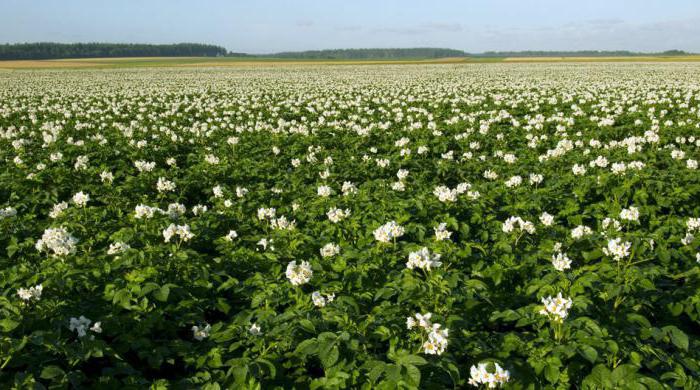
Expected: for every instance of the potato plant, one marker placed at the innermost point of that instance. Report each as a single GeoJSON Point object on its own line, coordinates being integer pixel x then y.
{"type": "Point", "coordinates": [373, 227]}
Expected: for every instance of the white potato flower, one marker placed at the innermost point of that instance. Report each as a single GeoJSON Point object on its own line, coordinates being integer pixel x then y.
{"type": "Point", "coordinates": [479, 375]}
{"type": "Point", "coordinates": [106, 177]}
{"type": "Point", "coordinates": [117, 247]}
{"type": "Point", "coordinates": [546, 219]}
{"type": "Point", "coordinates": [630, 214]}
{"type": "Point", "coordinates": [200, 333]}
{"type": "Point", "coordinates": [31, 293]}
{"type": "Point", "coordinates": [512, 222]}
{"type": "Point", "coordinates": [319, 300]}
{"type": "Point", "coordinates": [144, 212]}
{"type": "Point", "coordinates": [232, 235]}
{"type": "Point", "coordinates": [330, 250]}
{"type": "Point", "coordinates": [441, 232]}
{"type": "Point", "coordinates": [617, 249]}
{"type": "Point", "coordinates": [324, 191]}
{"type": "Point", "coordinates": [336, 215]}
{"type": "Point", "coordinates": [561, 261]}
{"type": "Point", "coordinates": [348, 188]}
{"type": "Point", "coordinates": [164, 185]}
{"type": "Point", "coordinates": [254, 329]}
{"type": "Point", "coordinates": [299, 274]}
{"type": "Point", "coordinates": [81, 326]}
{"type": "Point", "coordinates": [183, 232]}
{"type": "Point", "coordinates": [556, 308]}
{"type": "Point", "coordinates": [581, 231]}
{"type": "Point", "coordinates": [57, 241]}
{"type": "Point", "coordinates": [80, 199]}
{"type": "Point", "coordinates": [388, 232]}
{"type": "Point", "coordinates": [423, 259]}
{"type": "Point", "coordinates": [514, 181]}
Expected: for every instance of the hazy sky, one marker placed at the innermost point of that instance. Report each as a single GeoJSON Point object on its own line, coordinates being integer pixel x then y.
{"type": "Point", "coordinates": [263, 26]}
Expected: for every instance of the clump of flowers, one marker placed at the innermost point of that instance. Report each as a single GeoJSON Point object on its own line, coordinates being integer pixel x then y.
{"type": "Point", "coordinates": [31, 293]}
{"type": "Point", "coordinates": [513, 181]}
{"type": "Point", "coordinates": [693, 225]}
{"type": "Point", "coordinates": [80, 199]}
{"type": "Point", "coordinates": [324, 191]}
{"type": "Point", "coordinates": [57, 241]}
{"type": "Point", "coordinates": [348, 188]}
{"type": "Point", "coordinates": [511, 223]}
{"type": "Point", "coordinates": [144, 166]}
{"type": "Point", "coordinates": [556, 308]}
{"type": "Point", "coordinates": [232, 235]}
{"type": "Point", "coordinates": [117, 247]}
{"type": "Point", "coordinates": [299, 274]}
{"type": "Point", "coordinates": [561, 261]}
{"type": "Point", "coordinates": [282, 223]}
{"type": "Point", "coordinates": [319, 300]}
{"type": "Point", "coordinates": [441, 232]}
{"type": "Point", "coordinates": [265, 243]}
{"type": "Point", "coordinates": [546, 219]}
{"type": "Point", "coordinates": [436, 342]}
{"type": "Point", "coordinates": [330, 250]}
{"type": "Point", "coordinates": [255, 330]}
{"type": "Point", "coordinates": [630, 214]}
{"type": "Point", "coordinates": [610, 224]}
{"type": "Point", "coordinates": [479, 375]}
{"type": "Point", "coordinates": [7, 212]}
{"type": "Point", "coordinates": [423, 259]}
{"type": "Point", "coordinates": [58, 209]}
{"type": "Point", "coordinates": [336, 215]}
{"type": "Point", "coordinates": [183, 232]}
{"type": "Point", "coordinates": [80, 326]}
{"type": "Point", "coordinates": [388, 232]}
{"type": "Point", "coordinates": [200, 333]}
{"type": "Point", "coordinates": [266, 213]}
{"type": "Point", "coordinates": [617, 249]}
{"type": "Point", "coordinates": [447, 195]}
{"type": "Point", "coordinates": [176, 210]}
{"type": "Point", "coordinates": [106, 177]}
{"type": "Point", "coordinates": [144, 212]}
{"type": "Point", "coordinates": [199, 209]}
{"type": "Point", "coordinates": [581, 231]}
{"type": "Point", "coordinates": [164, 185]}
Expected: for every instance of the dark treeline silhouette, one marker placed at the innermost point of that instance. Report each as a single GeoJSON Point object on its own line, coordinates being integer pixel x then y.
{"type": "Point", "coordinates": [361, 54]}
{"type": "Point", "coordinates": [581, 53]}
{"type": "Point", "coordinates": [49, 50]}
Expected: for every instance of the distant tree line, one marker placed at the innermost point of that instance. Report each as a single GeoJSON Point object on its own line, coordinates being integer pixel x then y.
{"type": "Point", "coordinates": [581, 53]}
{"type": "Point", "coordinates": [49, 50]}
{"type": "Point", "coordinates": [362, 54]}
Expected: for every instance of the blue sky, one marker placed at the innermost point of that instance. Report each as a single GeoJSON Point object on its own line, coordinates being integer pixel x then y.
{"type": "Point", "coordinates": [263, 26]}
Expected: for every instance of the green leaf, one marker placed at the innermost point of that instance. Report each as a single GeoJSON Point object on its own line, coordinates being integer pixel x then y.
{"type": "Point", "coordinates": [413, 374]}
{"type": "Point", "coordinates": [624, 374]}
{"type": "Point", "coordinates": [329, 356]}
{"type": "Point", "coordinates": [162, 293]}
{"type": "Point", "coordinates": [589, 353]}
{"type": "Point", "coordinates": [551, 373]}
{"type": "Point", "coordinates": [50, 372]}
{"type": "Point", "coordinates": [411, 360]}
{"type": "Point", "coordinates": [8, 325]}
{"type": "Point", "coordinates": [678, 338]}
{"type": "Point", "coordinates": [307, 325]}
{"type": "Point", "coordinates": [307, 347]}
{"type": "Point", "coordinates": [376, 370]}
{"type": "Point", "coordinates": [122, 298]}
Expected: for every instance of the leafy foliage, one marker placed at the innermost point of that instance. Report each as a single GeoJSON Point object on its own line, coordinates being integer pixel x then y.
{"type": "Point", "coordinates": [200, 205]}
